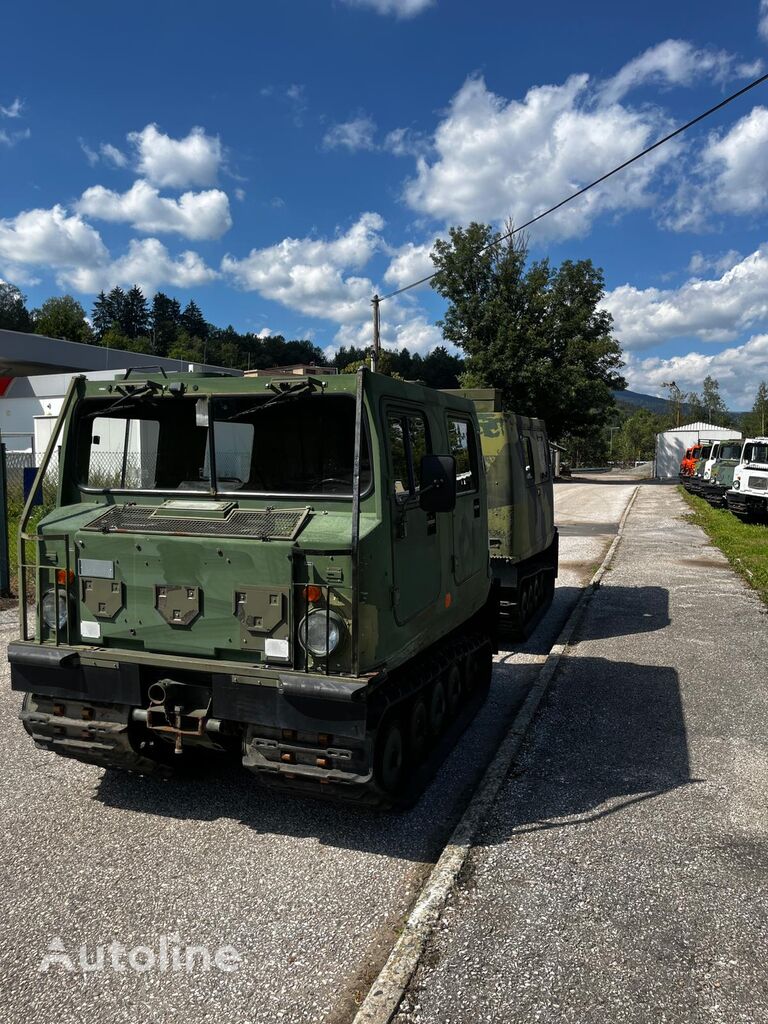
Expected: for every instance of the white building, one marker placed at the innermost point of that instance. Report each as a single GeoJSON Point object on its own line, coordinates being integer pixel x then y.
{"type": "Point", "coordinates": [671, 445]}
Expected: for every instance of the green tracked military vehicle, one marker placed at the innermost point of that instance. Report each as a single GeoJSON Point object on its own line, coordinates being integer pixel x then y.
{"type": "Point", "coordinates": [295, 571]}
{"type": "Point", "coordinates": [523, 539]}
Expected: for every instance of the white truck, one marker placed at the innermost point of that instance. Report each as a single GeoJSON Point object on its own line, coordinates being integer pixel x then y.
{"type": "Point", "coordinates": [748, 497]}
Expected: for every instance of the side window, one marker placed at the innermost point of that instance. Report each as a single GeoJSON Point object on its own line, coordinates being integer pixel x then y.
{"type": "Point", "coordinates": [461, 437]}
{"type": "Point", "coordinates": [542, 450]}
{"type": "Point", "coordinates": [408, 442]}
{"type": "Point", "coordinates": [530, 469]}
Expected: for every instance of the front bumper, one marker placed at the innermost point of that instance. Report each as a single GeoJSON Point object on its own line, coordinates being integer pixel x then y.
{"type": "Point", "coordinates": [742, 504]}
{"type": "Point", "coordinates": [288, 721]}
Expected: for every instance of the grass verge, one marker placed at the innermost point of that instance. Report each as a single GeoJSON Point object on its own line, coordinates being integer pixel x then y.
{"type": "Point", "coordinates": [745, 545]}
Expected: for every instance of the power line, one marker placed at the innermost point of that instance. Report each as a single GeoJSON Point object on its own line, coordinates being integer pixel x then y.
{"type": "Point", "coordinates": [592, 184]}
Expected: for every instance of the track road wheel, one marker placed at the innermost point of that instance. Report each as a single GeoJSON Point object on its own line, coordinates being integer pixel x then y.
{"type": "Point", "coordinates": [437, 708]}
{"type": "Point", "coordinates": [390, 757]}
{"type": "Point", "coordinates": [453, 688]}
{"type": "Point", "coordinates": [418, 730]}
{"type": "Point", "coordinates": [479, 670]}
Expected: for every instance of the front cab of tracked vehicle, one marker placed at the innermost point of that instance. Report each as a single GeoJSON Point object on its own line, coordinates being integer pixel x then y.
{"type": "Point", "coordinates": [748, 497]}
{"type": "Point", "coordinates": [274, 567]}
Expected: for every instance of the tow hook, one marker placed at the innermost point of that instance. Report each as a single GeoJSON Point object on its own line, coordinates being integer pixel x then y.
{"type": "Point", "coordinates": [166, 714]}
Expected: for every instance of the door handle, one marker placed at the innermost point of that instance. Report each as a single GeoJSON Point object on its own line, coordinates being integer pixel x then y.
{"type": "Point", "coordinates": [476, 507]}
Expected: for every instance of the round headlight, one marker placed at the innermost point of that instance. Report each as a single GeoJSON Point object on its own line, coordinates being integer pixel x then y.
{"type": "Point", "coordinates": [736, 484]}
{"type": "Point", "coordinates": [49, 609]}
{"type": "Point", "coordinates": [320, 632]}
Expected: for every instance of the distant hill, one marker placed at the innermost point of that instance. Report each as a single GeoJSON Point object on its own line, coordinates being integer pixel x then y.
{"type": "Point", "coordinates": [638, 399]}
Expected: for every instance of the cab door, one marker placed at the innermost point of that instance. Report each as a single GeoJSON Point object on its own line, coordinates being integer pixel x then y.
{"type": "Point", "coordinates": [470, 535]}
{"type": "Point", "coordinates": [416, 562]}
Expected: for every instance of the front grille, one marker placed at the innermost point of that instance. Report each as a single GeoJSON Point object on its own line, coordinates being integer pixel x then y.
{"type": "Point", "coordinates": [262, 524]}
{"type": "Point", "coordinates": [758, 483]}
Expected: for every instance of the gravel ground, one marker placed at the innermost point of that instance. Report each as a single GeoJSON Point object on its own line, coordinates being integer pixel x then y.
{"type": "Point", "coordinates": [622, 875]}
{"type": "Point", "coordinates": [309, 895]}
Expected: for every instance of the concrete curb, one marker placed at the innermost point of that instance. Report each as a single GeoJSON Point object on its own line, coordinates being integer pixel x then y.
{"type": "Point", "coordinates": [386, 992]}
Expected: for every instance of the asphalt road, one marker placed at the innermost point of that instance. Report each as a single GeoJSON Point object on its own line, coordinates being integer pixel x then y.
{"type": "Point", "coordinates": [309, 895]}
{"type": "Point", "coordinates": [620, 877]}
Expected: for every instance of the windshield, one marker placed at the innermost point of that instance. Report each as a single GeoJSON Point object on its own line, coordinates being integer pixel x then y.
{"type": "Point", "coordinates": [302, 445]}
{"type": "Point", "coordinates": [730, 451]}
{"type": "Point", "coordinates": [704, 453]}
{"type": "Point", "coordinates": [756, 453]}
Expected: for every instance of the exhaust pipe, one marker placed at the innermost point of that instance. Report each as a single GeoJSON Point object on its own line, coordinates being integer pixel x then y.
{"type": "Point", "coordinates": [157, 693]}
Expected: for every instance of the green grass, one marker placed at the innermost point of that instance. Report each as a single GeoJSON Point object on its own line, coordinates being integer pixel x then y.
{"type": "Point", "coordinates": [745, 545]}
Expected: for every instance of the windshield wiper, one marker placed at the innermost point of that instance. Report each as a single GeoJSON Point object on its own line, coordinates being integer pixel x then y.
{"type": "Point", "coordinates": [282, 391]}
{"type": "Point", "coordinates": [146, 390]}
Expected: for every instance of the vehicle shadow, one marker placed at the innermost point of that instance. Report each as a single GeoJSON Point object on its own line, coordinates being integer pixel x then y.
{"type": "Point", "coordinates": [631, 610]}
{"type": "Point", "coordinates": [611, 735]}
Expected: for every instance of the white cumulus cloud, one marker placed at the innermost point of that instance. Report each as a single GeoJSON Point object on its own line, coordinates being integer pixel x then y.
{"type": "Point", "coordinates": [675, 62]}
{"type": "Point", "coordinates": [498, 158]}
{"type": "Point", "coordinates": [737, 369]}
{"type": "Point", "coordinates": [353, 135]}
{"type": "Point", "coordinates": [310, 275]}
{"type": "Point", "coordinates": [400, 8]}
{"type": "Point", "coordinates": [714, 310]}
{"type": "Point", "coordinates": [177, 163]}
{"type": "Point", "coordinates": [50, 238]}
{"type": "Point", "coordinates": [194, 215]}
{"type": "Point", "coordinates": [409, 263]}
{"type": "Point", "coordinates": [146, 263]}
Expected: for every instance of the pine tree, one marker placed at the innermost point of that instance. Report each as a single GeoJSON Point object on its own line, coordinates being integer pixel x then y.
{"type": "Point", "coordinates": [115, 308]}
{"type": "Point", "coordinates": [193, 321]}
{"type": "Point", "coordinates": [165, 323]}
{"type": "Point", "coordinates": [135, 320]}
{"type": "Point", "coordinates": [101, 316]}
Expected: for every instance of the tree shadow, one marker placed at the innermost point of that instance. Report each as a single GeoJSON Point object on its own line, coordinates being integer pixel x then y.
{"type": "Point", "coordinates": [611, 735]}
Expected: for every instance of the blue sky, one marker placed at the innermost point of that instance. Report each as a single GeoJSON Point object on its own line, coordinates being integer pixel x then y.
{"type": "Point", "coordinates": [280, 162]}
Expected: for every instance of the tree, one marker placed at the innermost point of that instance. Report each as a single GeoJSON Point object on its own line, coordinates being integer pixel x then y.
{"type": "Point", "coordinates": [676, 403]}
{"type": "Point", "coordinates": [134, 321]}
{"type": "Point", "coordinates": [165, 322]}
{"type": "Point", "coordinates": [14, 315]}
{"type": "Point", "coordinates": [101, 316]}
{"type": "Point", "coordinates": [716, 409]}
{"type": "Point", "coordinates": [536, 333]}
{"type": "Point", "coordinates": [709, 407]}
{"type": "Point", "coordinates": [193, 321]}
{"type": "Point", "coordinates": [108, 314]}
{"type": "Point", "coordinates": [756, 422]}
{"type": "Point", "coordinates": [637, 438]}
{"type": "Point", "coordinates": [63, 317]}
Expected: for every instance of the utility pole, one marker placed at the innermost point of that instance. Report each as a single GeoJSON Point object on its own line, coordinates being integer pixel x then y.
{"type": "Point", "coordinates": [610, 449]}
{"type": "Point", "coordinates": [376, 333]}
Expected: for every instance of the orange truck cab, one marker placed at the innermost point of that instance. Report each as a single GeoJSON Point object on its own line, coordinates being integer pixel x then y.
{"type": "Point", "coordinates": [689, 460]}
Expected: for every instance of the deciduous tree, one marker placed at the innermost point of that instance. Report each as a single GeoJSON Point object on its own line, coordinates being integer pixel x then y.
{"type": "Point", "coordinates": [14, 315]}
{"type": "Point", "coordinates": [534, 331]}
{"type": "Point", "coordinates": [63, 317]}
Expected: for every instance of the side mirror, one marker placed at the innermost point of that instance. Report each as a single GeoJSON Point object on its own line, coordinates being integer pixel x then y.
{"type": "Point", "coordinates": [437, 483]}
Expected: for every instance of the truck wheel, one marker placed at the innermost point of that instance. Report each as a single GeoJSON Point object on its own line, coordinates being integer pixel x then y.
{"type": "Point", "coordinates": [390, 756]}
{"type": "Point", "coordinates": [437, 707]}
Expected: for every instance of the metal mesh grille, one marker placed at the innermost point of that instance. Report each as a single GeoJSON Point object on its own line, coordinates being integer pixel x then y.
{"type": "Point", "coordinates": [265, 524]}
{"type": "Point", "coordinates": [758, 483]}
